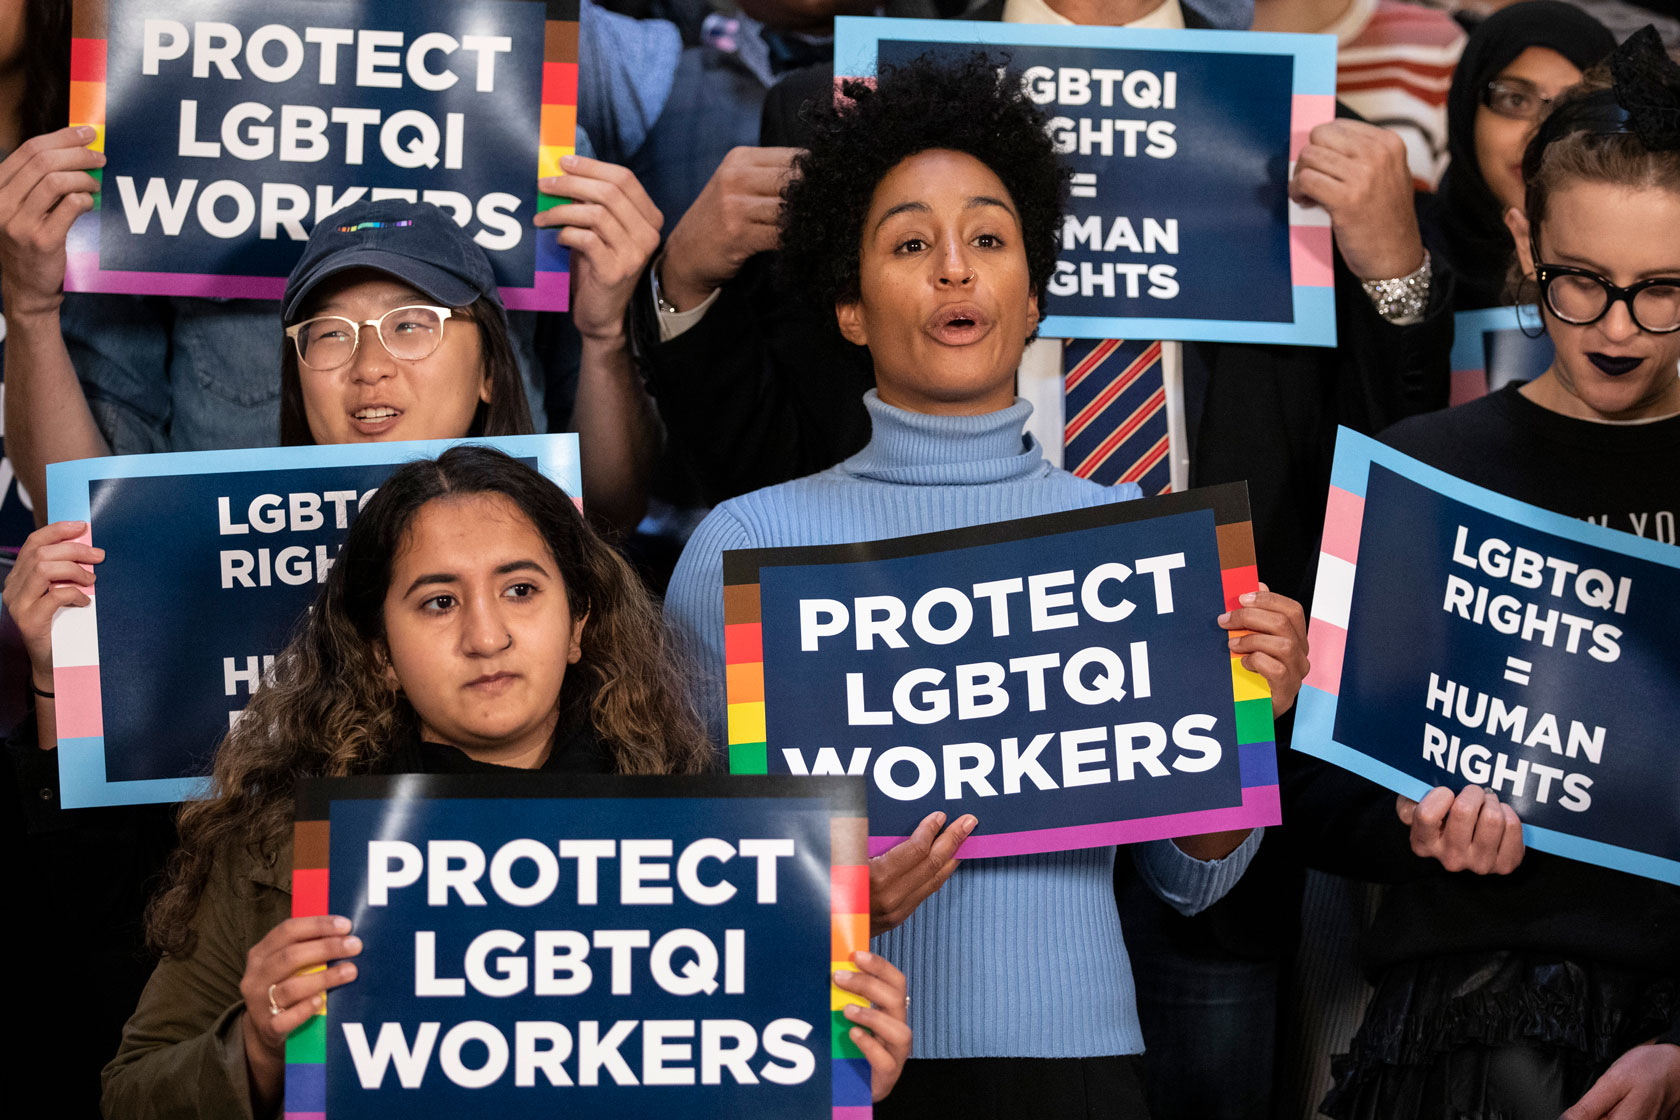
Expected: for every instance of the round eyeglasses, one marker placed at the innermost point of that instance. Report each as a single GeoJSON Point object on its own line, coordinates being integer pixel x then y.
{"type": "Point", "coordinates": [1580, 296]}
{"type": "Point", "coordinates": [409, 333]}
{"type": "Point", "coordinates": [1515, 98]}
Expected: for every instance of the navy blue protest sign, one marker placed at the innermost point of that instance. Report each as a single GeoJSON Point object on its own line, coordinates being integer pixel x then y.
{"type": "Point", "coordinates": [230, 127]}
{"type": "Point", "coordinates": [542, 945]}
{"type": "Point", "coordinates": [1181, 143]}
{"type": "Point", "coordinates": [1537, 658]}
{"type": "Point", "coordinates": [1063, 678]}
{"type": "Point", "coordinates": [210, 559]}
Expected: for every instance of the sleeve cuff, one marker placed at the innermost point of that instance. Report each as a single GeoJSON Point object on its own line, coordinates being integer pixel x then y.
{"type": "Point", "coordinates": [674, 323]}
{"type": "Point", "coordinates": [1188, 884]}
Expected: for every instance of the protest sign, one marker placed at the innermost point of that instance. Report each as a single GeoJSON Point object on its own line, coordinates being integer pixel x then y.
{"type": "Point", "coordinates": [541, 945]}
{"type": "Point", "coordinates": [210, 559]}
{"type": "Point", "coordinates": [1181, 143]}
{"type": "Point", "coordinates": [1494, 347]}
{"type": "Point", "coordinates": [1462, 637]}
{"type": "Point", "coordinates": [230, 127]}
{"type": "Point", "coordinates": [1063, 677]}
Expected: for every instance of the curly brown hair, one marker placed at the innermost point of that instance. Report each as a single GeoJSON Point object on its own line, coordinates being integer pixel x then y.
{"type": "Point", "coordinates": [324, 710]}
{"type": "Point", "coordinates": [973, 104]}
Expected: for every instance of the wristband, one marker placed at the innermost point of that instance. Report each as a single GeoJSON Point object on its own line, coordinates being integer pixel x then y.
{"type": "Point", "coordinates": [1404, 298]}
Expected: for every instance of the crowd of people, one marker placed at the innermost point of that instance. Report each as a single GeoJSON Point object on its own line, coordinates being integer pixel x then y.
{"type": "Point", "coordinates": [807, 320]}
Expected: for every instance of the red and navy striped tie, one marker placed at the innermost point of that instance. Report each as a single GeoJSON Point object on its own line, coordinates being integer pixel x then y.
{"type": "Point", "coordinates": [1116, 413]}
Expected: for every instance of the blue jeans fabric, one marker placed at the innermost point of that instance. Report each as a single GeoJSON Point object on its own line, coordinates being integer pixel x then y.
{"type": "Point", "coordinates": [1209, 1019]}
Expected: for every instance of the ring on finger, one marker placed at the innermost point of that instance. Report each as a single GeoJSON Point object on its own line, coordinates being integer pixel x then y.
{"type": "Point", "coordinates": [273, 1007]}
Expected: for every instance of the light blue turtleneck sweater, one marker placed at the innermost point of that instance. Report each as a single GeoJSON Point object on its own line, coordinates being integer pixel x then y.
{"type": "Point", "coordinates": [1016, 957]}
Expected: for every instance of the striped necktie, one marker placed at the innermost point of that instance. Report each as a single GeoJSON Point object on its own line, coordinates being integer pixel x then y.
{"type": "Point", "coordinates": [1116, 413]}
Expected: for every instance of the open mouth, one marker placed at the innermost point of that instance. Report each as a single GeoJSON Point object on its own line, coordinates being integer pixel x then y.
{"type": "Point", "coordinates": [375, 419]}
{"type": "Point", "coordinates": [1615, 365]}
{"type": "Point", "coordinates": [958, 324]}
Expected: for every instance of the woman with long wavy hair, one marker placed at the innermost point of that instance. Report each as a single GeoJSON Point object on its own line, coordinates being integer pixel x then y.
{"type": "Point", "coordinates": [473, 622]}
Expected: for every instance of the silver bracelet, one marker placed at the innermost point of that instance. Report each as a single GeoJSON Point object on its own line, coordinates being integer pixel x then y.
{"type": "Point", "coordinates": [1403, 298]}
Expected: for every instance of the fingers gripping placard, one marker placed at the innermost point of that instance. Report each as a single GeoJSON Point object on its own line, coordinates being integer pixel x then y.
{"type": "Point", "coordinates": [624, 947]}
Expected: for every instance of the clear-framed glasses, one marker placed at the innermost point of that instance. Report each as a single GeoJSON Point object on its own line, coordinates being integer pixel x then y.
{"type": "Point", "coordinates": [410, 333]}
{"type": "Point", "coordinates": [1515, 98]}
{"type": "Point", "coordinates": [1581, 296]}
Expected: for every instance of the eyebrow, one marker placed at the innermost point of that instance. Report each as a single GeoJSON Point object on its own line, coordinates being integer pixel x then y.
{"type": "Point", "coordinates": [1561, 257]}
{"type": "Point", "coordinates": [450, 578]}
{"type": "Point", "coordinates": [923, 208]}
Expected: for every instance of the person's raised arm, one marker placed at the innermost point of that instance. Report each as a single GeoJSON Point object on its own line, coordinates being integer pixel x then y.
{"type": "Point", "coordinates": [1393, 307]}
{"type": "Point", "coordinates": [612, 229]}
{"type": "Point", "coordinates": [44, 187]}
{"type": "Point", "coordinates": [733, 219]}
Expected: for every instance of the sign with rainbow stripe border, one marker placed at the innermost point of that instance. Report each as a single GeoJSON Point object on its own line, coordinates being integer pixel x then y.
{"type": "Point", "coordinates": [1535, 657]}
{"type": "Point", "coordinates": [541, 945]}
{"type": "Point", "coordinates": [230, 127]}
{"type": "Point", "coordinates": [1182, 143]}
{"type": "Point", "coordinates": [1063, 677]}
{"type": "Point", "coordinates": [210, 559]}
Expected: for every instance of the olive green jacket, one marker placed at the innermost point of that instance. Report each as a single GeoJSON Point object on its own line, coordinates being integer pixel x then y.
{"type": "Point", "coordinates": [183, 1049]}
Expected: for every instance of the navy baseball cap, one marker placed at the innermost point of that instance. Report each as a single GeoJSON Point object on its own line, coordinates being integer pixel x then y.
{"type": "Point", "coordinates": [415, 242]}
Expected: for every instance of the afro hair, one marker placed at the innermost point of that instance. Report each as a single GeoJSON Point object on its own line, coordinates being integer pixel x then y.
{"type": "Point", "coordinates": [974, 105]}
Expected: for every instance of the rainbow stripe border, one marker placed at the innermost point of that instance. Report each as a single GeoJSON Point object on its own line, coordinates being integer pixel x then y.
{"type": "Point", "coordinates": [75, 633]}
{"type": "Point", "coordinates": [1251, 696]}
{"type": "Point", "coordinates": [1327, 627]}
{"type": "Point", "coordinates": [850, 1086]}
{"type": "Point", "coordinates": [857, 41]}
{"type": "Point", "coordinates": [551, 287]}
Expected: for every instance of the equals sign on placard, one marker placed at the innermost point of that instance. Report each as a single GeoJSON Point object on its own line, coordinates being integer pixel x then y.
{"type": "Point", "coordinates": [1517, 670]}
{"type": "Point", "coordinates": [1083, 185]}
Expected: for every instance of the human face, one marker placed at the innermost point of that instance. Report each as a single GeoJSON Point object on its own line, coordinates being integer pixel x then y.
{"type": "Point", "coordinates": [1500, 140]}
{"type": "Point", "coordinates": [478, 630]}
{"type": "Point", "coordinates": [946, 303]}
{"type": "Point", "coordinates": [1608, 370]}
{"type": "Point", "coordinates": [377, 397]}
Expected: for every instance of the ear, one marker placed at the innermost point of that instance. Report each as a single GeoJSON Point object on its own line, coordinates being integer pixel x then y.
{"type": "Point", "coordinates": [484, 388]}
{"type": "Point", "coordinates": [850, 318]}
{"type": "Point", "coordinates": [382, 657]}
{"type": "Point", "coordinates": [574, 651]}
{"type": "Point", "coordinates": [1032, 314]}
{"type": "Point", "coordinates": [1517, 222]}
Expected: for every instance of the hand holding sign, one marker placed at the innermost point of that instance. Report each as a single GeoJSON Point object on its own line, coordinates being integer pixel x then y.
{"type": "Point", "coordinates": [1273, 642]}
{"type": "Point", "coordinates": [50, 572]}
{"type": "Point", "coordinates": [882, 1033]}
{"type": "Point", "coordinates": [613, 227]}
{"type": "Point", "coordinates": [285, 970]}
{"type": "Point", "coordinates": [1358, 173]}
{"type": "Point", "coordinates": [1470, 832]}
{"type": "Point", "coordinates": [734, 218]}
{"type": "Point", "coordinates": [1642, 1084]}
{"type": "Point", "coordinates": [902, 877]}
{"type": "Point", "coordinates": [44, 186]}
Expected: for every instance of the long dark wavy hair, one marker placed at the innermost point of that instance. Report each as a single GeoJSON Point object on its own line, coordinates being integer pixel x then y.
{"type": "Point", "coordinates": [506, 413]}
{"type": "Point", "coordinates": [325, 710]}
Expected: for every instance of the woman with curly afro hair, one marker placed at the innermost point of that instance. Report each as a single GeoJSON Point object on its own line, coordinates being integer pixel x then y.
{"type": "Point", "coordinates": [925, 215]}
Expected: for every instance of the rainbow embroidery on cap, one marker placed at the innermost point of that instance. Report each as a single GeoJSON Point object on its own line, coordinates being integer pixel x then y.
{"type": "Point", "coordinates": [360, 226]}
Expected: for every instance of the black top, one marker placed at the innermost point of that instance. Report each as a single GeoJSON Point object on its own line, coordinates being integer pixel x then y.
{"type": "Point", "coordinates": [1618, 475]}
{"type": "Point", "coordinates": [577, 750]}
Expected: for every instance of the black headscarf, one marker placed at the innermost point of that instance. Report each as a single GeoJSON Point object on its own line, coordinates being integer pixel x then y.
{"type": "Point", "coordinates": [1464, 223]}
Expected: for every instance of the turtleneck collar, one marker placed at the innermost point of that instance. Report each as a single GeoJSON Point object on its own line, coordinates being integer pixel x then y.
{"type": "Point", "coordinates": [920, 449]}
